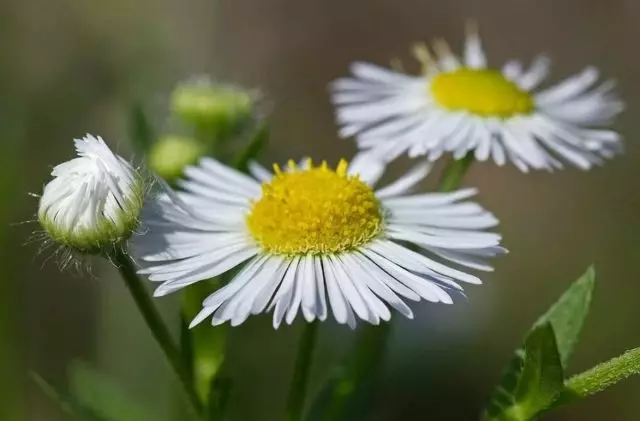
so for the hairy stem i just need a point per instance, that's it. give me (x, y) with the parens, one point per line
(600, 377)
(156, 325)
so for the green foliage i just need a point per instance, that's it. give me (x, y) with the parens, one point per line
(541, 378)
(94, 390)
(255, 145)
(91, 396)
(140, 130)
(566, 317)
(67, 401)
(203, 348)
(568, 314)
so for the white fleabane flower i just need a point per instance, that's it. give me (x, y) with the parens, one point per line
(312, 238)
(462, 105)
(93, 201)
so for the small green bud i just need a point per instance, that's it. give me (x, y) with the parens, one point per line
(94, 201)
(169, 155)
(203, 103)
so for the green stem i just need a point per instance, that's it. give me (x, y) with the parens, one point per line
(157, 326)
(600, 377)
(372, 341)
(204, 345)
(369, 352)
(300, 380)
(454, 172)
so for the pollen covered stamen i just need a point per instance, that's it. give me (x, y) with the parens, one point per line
(483, 92)
(314, 210)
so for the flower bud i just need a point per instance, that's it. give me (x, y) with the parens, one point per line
(93, 201)
(204, 103)
(169, 155)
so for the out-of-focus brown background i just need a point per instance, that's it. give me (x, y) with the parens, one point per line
(70, 66)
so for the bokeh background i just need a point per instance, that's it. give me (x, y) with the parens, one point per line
(68, 67)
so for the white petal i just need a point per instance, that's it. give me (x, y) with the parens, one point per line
(269, 282)
(474, 57)
(336, 299)
(321, 300)
(309, 288)
(284, 295)
(208, 271)
(369, 167)
(376, 308)
(203, 180)
(436, 241)
(568, 88)
(259, 172)
(348, 289)
(363, 271)
(429, 199)
(216, 168)
(385, 278)
(422, 264)
(406, 182)
(211, 303)
(378, 74)
(426, 289)
(512, 70)
(536, 73)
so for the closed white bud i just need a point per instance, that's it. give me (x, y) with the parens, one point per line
(93, 201)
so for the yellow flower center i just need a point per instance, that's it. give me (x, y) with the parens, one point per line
(315, 210)
(480, 91)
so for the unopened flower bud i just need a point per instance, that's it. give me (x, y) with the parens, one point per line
(93, 201)
(169, 155)
(204, 103)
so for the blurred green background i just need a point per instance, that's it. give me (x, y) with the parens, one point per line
(68, 67)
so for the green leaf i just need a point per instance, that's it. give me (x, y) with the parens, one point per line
(252, 149)
(206, 347)
(103, 396)
(566, 316)
(542, 377)
(69, 403)
(219, 394)
(140, 129)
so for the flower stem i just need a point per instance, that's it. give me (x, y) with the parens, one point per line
(300, 380)
(371, 342)
(157, 326)
(454, 172)
(600, 377)
(368, 354)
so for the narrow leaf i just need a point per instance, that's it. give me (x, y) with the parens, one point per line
(93, 390)
(567, 316)
(207, 345)
(251, 150)
(68, 403)
(140, 129)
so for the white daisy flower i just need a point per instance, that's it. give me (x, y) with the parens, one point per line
(462, 105)
(312, 238)
(94, 200)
